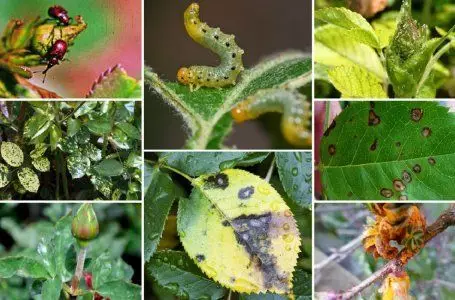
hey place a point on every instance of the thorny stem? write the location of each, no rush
(445, 220)
(79, 269)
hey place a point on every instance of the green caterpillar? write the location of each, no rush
(296, 110)
(222, 44)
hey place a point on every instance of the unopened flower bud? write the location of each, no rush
(85, 226)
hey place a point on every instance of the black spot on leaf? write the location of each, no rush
(374, 145)
(246, 192)
(417, 168)
(200, 257)
(225, 223)
(332, 149)
(220, 181)
(373, 118)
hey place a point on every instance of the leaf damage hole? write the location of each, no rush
(373, 118)
(387, 193)
(416, 114)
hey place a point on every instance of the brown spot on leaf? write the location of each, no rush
(406, 176)
(398, 185)
(398, 144)
(386, 193)
(431, 161)
(416, 114)
(373, 118)
(426, 132)
(331, 127)
(350, 194)
(403, 197)
(374, 145)
(417, 168)
(332, 149)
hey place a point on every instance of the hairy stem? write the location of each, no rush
(79, 269)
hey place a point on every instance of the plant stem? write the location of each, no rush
(178, 172)
(79, 269)
(427, 4)
(270, 171)
(62, 164)
(58, 170)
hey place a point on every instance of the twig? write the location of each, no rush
(445, 220)
(447, 284)
(341, 253)
(79, 269)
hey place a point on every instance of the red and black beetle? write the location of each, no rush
(55, 55)
(59, 13)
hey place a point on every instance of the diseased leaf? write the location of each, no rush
(355, 82)
(4, 175)
(12, 154)
(389, 150)
(73, 126)
(102, 184)
(106, 269)
(130, 130)
(28, 179)
(39, 150)
(99, 126)
(42, 164)
(22, 266)
(91, 151)
(240, 232)
(36, 125)
(355, 26)
(295, 170)
(85, 108)
(176, 272)
(159, 196)
(78, 165)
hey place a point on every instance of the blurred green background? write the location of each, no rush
(261, 28)
(431, 271)
(113, 36)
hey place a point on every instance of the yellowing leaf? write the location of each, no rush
(4, 180)
(240, 232)
(12, 154)
(42, 164)
(355, 82)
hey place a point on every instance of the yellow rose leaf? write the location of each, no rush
(240, 232)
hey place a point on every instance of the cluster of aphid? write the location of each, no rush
(59, 48)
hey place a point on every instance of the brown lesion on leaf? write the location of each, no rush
(426, 131)
(387, 193)
(417, 168)
(406, 176)
(332, 149)
(218, 181)
(398, 185)
(431, 161)
(373, 118)
(416, 114)
(374, 146)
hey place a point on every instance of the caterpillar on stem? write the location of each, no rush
(222, 44)
(296, 110)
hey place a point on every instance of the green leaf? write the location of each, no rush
(42, 164)
(29, 179)
(78, 165)
(12, 154)
(203, 109)
(130, 130)
(134, 160)
(355, 82)
(385, 27)
(198, 163)
(4, 175)
(85, 108)
(302, 285)
(109, 168)
(36, 125)
(115, 83)
(176, 272)
(159, 196)
(105, 269)
(73, 126)
(120, 290)
(295, 170)
(22, 266)
(52, 289)
(55, 136)
(91, 151)
(332, 48)
(39, 150)
(389, 150)
(99, 126)
(102, 184)
(355, 26)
